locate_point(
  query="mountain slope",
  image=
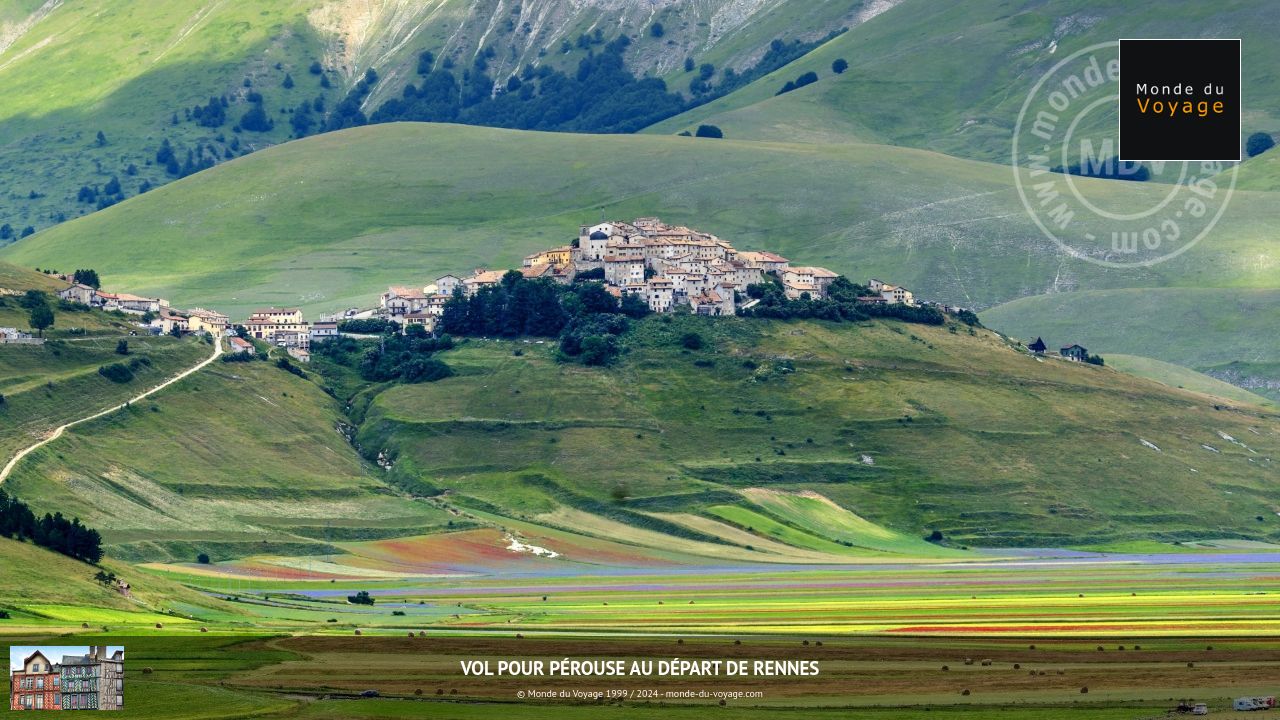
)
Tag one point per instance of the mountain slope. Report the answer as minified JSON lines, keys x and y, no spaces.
{"x":952,"y":77}
{"x":911,"y":427}
{"x":329,"y":221}
{"x":1198,"y":328}
{"x":238,"y":458}
{"x":778,"y":441}
{"x":134,"y":71}
{"x":46,"y":385}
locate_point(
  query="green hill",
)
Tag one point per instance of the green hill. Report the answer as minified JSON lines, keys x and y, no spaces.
{"x":1198,"y":328}
{"x":1178,"y":376}
{"x":952,"y":77}
{"x":329,"y":221}
{"x":46,"y":385}
{"x":135,"y":71}
{"x":238,"y":458}
{"x":39,"y":588}
{"x":796,"y":441}
{"x":910,"y":427}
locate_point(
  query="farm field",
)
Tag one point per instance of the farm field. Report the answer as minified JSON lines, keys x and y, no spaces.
{"x":947,"y":639}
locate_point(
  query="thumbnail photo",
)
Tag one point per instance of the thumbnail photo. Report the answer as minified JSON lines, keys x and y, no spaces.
{"x":66,"y":677}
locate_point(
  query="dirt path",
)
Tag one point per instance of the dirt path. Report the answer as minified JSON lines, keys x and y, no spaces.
{"x":57,"y":432}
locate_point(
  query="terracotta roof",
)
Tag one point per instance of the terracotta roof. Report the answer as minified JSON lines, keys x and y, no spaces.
{"x":407,"y":293}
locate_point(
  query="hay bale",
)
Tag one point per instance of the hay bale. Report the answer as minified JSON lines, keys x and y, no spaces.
{"x":147,"y":671}
{"x":411,"y":633}
{"x":1017,"y":666}
{"x":1137,"y":647}
{"x":818,"y":643}
{"x":84,"y":625}
{"x":1210,"y":647}
{"x":418,"y":691}
{"x":680,"y":641}
{"x":204,"y":629}
{"x":357,"y":632}
{"x":1191,"y":664}
{"x":439,"y":691}
{"x":1031,"y":647}
{"x":1120,"y":647}
{"x":945,"y":668}
{"x":737,"y":642}
{"x":965,"y":691}
{"x":519,"y":636}
{"x":986,"y":663}
{"x":805,"y":643}
{"x":422,"y":633}
{"x":968,"y":661}
{"x":1084,"y":690}
{"x":159,"y":626}
{"x":1101,"y":649}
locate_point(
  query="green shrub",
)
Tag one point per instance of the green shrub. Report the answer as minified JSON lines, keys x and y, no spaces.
{"x":116,"y":372}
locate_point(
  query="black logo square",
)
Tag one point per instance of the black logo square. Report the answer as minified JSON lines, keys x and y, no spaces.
{"x":1180,"y":100}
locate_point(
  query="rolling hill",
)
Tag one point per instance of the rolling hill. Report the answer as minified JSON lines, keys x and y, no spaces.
{"x":238,"y":458}
{"x":826,"y":441}
{"x":329,"y":221}
{"x":952,"y":77}
{"x":71,"y":69}
{"x":46,"y":385}
{"x":1219,"y":326}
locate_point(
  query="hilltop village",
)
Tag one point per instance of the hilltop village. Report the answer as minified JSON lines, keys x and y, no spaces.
{"x":668,"y":266}
{"x":671,"y":268}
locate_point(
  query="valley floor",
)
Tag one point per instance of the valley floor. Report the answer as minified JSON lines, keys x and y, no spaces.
{"x":1009,"y":633}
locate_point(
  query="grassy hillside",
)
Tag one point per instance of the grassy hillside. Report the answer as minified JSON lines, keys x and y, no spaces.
{"x":951,"y":77}
{"x":240,"y":457}
{"x":134,"y":71}
{"x":910,"y":427}
{"x":329,"y":221}
{"x":1195,"y":328}
{"x":39,"y":587}
{"x":46,"y":385}
{"x":1180,"y":377}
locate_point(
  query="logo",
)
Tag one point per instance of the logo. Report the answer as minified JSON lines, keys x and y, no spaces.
{"x":1095,"y":206}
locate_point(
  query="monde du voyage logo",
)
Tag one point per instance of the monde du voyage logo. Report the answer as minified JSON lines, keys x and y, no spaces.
{"x":1164,"y":115}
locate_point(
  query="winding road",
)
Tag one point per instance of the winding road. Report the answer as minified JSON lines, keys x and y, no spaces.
{"x":57,"y":432}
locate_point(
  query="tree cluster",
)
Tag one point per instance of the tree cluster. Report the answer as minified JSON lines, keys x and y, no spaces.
{"x":409,"y":358}
{"x":40,"y":312}
{"x":87,"y":277}
{"x":1110,"y":169}
{"x":54,"y":532}
{"x":586,"y":318}
{"x":840,"y":305}
{"x":602,"y":96}
{"x":808,"y":78}
{"x":1259,"y":143}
